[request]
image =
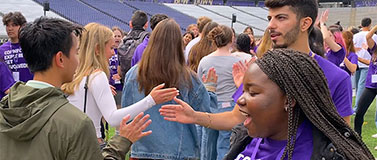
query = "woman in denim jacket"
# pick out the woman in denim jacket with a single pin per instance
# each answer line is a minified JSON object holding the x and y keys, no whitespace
{"x":163,"y":62}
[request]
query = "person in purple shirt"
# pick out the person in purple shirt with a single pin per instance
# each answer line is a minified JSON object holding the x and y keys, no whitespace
{"x":140,"y":48}
{"x":115,"y":79}
{"x":11,"y":51}
{"x":370,"y":90}
{"x":334,"y":42}
{"x":350,"y":61}
{"x":301,"y":122}
{"x":6,"y":79}
{"x":287,"y":31}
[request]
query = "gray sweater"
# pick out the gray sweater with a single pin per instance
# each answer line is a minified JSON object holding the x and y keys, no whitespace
{"x":223,"y":66}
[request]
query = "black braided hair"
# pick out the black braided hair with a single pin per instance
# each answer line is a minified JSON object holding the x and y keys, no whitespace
{"x":300,"y":78}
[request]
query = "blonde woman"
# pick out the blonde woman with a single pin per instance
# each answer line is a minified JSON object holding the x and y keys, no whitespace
{"x":96,"y":47}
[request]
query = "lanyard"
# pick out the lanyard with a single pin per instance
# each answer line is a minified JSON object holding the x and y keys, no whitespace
{"x":256,"y":148}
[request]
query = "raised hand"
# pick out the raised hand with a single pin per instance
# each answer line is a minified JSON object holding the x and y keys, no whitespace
{"x":160,"y":95}
{"x":182,"y":112}
{"x":211,"y":76}
{"x":324,"y":16}
{"x":238,"y":72}
{"x":210,"y":82}
{"x":134,"y":131}
{"x":116,"y":77}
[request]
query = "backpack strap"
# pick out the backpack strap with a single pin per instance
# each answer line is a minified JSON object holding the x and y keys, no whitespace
{"x":143,"y":34}
{"x":86,"y":91}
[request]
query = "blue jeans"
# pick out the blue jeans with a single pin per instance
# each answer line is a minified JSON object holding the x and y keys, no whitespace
{"x":218,"y":142}
{"x":360,"y":76}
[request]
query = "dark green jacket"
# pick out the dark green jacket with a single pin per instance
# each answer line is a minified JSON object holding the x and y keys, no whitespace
{"x":42,"y":124}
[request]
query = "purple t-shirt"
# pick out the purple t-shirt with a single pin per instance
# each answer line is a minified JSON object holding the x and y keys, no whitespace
{"x":255,"y":48}
{"x":336,"y":57}
{"x":113,"y":66}
{"x":372,"y":70}
{"x":14,"y":58}
{"x":339,"y":84}
{"x":139,"y":51}
{"x":6,"y":79}
{"x":265,"y":148}
{"x":352,"y":57}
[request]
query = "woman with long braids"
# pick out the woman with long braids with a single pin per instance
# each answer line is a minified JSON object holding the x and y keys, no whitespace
{"x":300,"y":123}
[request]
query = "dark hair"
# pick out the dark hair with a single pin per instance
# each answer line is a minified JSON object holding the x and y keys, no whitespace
{"x":243,"y":43}
{"x":302,"y":8}
{"x":165,"y":41}
{"x":204,"y":47}
{"x":202,"y":21}
{"x":365,"y":22}
{"x":157,"y":18}
{"x":354,"y":30}
{"x":316,"y":42}
{"x":221,"y":35}
{"x":337,"y":24}
{"x":294,"y":73}
{"x":16,"y":17}
{"x":188,"y":32}
{"x":43,"y":38}
{"x":139,"y":18}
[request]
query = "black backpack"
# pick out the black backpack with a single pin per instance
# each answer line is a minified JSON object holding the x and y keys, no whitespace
{"x":126,"y":51}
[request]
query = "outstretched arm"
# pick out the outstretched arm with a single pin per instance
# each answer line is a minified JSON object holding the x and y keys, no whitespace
{"x":184,"y":113}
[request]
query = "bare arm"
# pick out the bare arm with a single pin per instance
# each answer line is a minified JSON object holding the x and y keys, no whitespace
{"x":220,"y":121}
{"x":369,"y":36}
{"x":183,"y":113}
{"x":348,"y":120}
{"x":350,"y":66}
{"x":362,"y":60}
{"x":335,"y":47}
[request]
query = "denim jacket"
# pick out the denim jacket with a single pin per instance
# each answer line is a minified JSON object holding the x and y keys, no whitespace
{"x":169,"y":140}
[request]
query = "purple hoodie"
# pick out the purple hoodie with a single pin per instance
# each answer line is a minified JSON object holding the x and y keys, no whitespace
{"x":139,"y":51}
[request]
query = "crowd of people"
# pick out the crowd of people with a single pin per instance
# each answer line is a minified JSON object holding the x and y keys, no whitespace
{"x":208,"y":93}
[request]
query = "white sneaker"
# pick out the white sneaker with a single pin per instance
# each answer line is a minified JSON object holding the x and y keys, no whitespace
{"x":374,"y":136}
{"x":375,"y":148}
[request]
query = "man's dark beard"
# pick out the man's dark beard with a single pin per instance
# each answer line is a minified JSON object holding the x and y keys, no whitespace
{"x":289,"y":38}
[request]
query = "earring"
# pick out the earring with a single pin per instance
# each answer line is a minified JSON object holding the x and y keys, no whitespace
{"x":286,"y":108}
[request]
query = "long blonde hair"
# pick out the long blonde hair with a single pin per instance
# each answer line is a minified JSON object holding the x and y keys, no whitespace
{"x":265,"y":45}
{"x":95,"y":36}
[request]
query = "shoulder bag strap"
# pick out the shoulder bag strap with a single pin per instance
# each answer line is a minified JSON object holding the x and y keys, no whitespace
{"x":86,"y":91}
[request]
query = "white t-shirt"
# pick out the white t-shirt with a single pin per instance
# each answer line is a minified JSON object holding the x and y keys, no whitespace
{"x":242,"y":55}
{"x":359,"y":39}
{"x":189,"y":46}
{"x":100,"y":102}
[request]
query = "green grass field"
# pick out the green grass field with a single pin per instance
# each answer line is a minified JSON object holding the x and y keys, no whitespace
{"x":369,"y":128}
